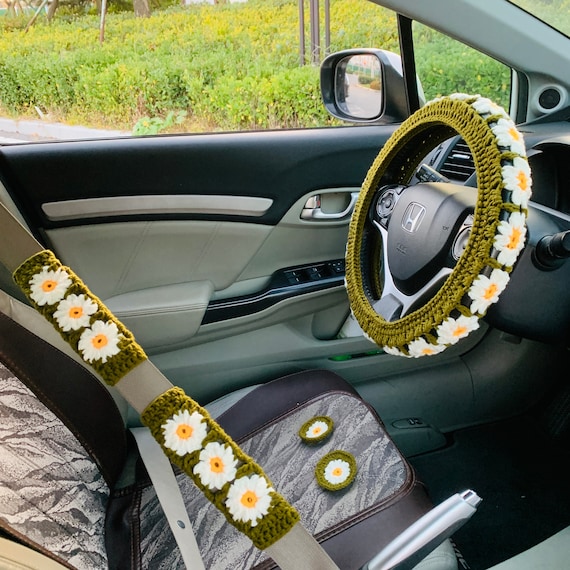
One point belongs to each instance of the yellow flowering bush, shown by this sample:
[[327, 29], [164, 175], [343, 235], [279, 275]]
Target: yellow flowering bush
[[229, 66], [222, 67]]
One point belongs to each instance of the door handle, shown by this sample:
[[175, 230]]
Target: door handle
[[313, 209]]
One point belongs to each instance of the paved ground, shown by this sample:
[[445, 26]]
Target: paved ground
[[17, 131]]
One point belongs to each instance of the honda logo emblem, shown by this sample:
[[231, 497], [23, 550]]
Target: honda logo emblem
[[413, 217]]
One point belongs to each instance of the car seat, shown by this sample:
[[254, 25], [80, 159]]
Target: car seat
[[74, 487]]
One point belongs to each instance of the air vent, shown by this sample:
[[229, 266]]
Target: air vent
[[458, 165]]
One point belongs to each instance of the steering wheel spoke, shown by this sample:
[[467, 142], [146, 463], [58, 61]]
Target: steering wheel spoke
[[394, 304]]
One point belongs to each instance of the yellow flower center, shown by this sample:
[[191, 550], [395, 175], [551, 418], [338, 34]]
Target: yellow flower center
[[48, 285], [317, 430], [75, 312], [184, 431], [514, 133], [99, 341], [459, 331], [337, 472], [490, 292], [523, 181], [514, 238], [249, 499], [216, 465]]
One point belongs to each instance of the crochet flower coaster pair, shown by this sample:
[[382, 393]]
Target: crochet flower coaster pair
[[337, 469]]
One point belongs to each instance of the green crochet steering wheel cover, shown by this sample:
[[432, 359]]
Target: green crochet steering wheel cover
[[500, 157]]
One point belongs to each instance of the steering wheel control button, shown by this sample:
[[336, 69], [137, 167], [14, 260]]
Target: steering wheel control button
[[386, 204], [386, 201], [462, 238]]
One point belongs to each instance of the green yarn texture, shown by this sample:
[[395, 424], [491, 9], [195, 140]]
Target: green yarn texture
[[129, 353], [395, 164], [281, 516], [62, 285]]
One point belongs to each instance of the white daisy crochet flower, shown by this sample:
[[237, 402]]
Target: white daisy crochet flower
[[184, 432], [509, 136], [518, 180], [99, 342], [462, 96], [217, 466], [510, 238], [48, 286], [249, 499], [421, 347], [316, 429], [393, 351], [337, 472], [452, 330], [485, 106], [74, 311], [486, 290]]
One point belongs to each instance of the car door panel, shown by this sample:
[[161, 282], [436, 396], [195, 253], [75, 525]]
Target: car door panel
[[277, 165], [191, 241], [132, 256]]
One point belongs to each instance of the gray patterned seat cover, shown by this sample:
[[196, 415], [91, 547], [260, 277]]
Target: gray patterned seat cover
[[290, 464], [51, 491]]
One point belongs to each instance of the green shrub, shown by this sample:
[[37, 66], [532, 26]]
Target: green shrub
[[222, 67]]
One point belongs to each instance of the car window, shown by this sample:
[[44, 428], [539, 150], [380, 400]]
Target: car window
[[205, 67], [445, 66], [555, 13], [200, 67]]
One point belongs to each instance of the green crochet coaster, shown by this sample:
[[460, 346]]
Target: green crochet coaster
[[316, 430], [336, 470]]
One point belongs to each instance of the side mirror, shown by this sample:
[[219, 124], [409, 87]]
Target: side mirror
[[364, 86]]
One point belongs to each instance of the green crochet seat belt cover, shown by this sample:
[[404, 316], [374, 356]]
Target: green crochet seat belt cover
[[191, 439], [498, 231]]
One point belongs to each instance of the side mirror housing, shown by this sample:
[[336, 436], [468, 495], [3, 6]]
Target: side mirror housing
[[364, 86]]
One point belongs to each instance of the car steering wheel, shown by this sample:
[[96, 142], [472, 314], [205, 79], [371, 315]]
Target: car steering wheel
[[405, 239]]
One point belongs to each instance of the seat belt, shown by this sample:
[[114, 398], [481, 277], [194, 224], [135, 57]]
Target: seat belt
[[170, 498], [124, 365]]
